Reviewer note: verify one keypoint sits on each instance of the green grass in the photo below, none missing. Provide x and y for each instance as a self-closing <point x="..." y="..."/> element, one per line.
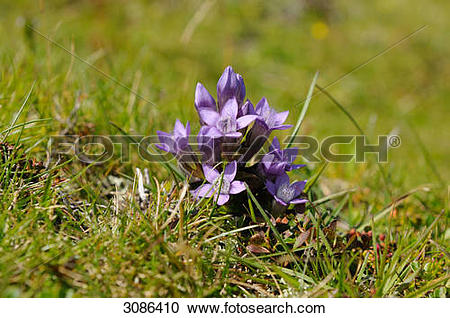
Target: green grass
<point x="76" y="230"/>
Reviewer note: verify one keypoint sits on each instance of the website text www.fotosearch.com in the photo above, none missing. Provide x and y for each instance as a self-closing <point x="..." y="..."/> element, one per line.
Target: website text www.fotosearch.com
<point x="222" y="308"/>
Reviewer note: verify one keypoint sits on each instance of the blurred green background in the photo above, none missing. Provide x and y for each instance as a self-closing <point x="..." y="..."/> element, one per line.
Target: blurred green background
<point x="162" y="48"/>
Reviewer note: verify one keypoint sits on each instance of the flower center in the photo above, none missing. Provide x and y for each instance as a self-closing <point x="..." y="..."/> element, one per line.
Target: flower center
<point x="285" y="192"/>
<point x="227" y="125"/>
<point x="224" y="187"/>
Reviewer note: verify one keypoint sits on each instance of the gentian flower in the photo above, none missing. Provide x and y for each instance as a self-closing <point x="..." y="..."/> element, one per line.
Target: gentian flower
<point x="269" y="118"/>
<point x="176" y="142"/>
<point x="278" y="161"/>
<point x="226" y="123"/>
<point x="220" y="186"/>
<point x="267" y="121"/>
<point x="230" y="85"/>
<point x="284" y="192"/>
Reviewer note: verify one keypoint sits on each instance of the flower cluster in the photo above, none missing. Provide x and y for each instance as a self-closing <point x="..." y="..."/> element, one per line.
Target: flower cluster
<point x="232" y="133"/>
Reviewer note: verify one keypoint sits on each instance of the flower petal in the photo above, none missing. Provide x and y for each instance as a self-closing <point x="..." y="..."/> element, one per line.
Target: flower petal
<point x="203" y="138"/>
<point x="299" y="186"/>
<point x="247" y="109"/>
<point x="280" y="118"/>
<point x="290" y="154"/>
<point x="167" y="142"/>
<point x="230" y="109"/>
<point x="298" y="201"/>
<point x="213" y="132"/>
<point x="282" y="179"/>
<point x="275" y="144"/>
<point x="280" y="201"/>
<point x="277" y="168"/>
<point x="163" y="134"/>
<point x="267" y="160"/>
<point x="203" y="98"/>
<point x="271" y="187"/>
<point x="188" y="128"/>
<point x="230" y="171"/>
<point x="230" y="85"/>
<point x="294" y="167"/>
<point x="237" y="187"/>
<point x="207" y="133"/>
<point x="223" y="85"/>
<point x="222" y="199"/>
<point x="281" y="127"/>
<point x="244" y="121"/>
<point x="210" y="174"/>
<point x="179" y="130"/>
<point x="241" y="92"/>
<point x="163" y="147"/>
<point x="262" y="107"/>
<point x="182" y="143"/>
<point x="236" y="134"/>
<point x="205" y="190"/>
<point x="210" y="117"/>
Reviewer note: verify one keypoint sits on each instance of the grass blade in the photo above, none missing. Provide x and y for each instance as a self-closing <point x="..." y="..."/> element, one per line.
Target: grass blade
<point x="358" y="127"/>
<point x="315" y="177"/>
<point x="272" y="227"/>
<point x="304" y="109"/>
<point x="427" y="156"/>
<point x="16" y="117"/>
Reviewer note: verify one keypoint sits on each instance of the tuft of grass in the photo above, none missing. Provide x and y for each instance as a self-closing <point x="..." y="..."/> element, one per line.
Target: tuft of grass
<point x="69" y="229"/>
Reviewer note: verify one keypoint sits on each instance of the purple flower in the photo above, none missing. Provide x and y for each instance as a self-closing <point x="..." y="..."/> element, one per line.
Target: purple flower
<point x="226" y="122"/>
<point x="219" y="186"/>
<point x="270" y="119"/>
<point x="176" y="142"/>
<point x="267" y="121"/>
<point x="278" y="161"/>
<point x="246" y="109"/>
<point x="230" y="85"/>
<point x="203" y="100"/>
<point x="284" y="192"/>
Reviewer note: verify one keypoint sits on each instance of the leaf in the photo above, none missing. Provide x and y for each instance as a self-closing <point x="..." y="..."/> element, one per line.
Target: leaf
<point x="256" y="249"/>
<point x="301" y="239"/>
<point x="258" y="238"/>
<point x="330" y="231"/>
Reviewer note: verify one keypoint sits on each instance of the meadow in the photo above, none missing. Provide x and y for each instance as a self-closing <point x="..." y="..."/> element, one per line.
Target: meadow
<point x="71" y="229"/>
